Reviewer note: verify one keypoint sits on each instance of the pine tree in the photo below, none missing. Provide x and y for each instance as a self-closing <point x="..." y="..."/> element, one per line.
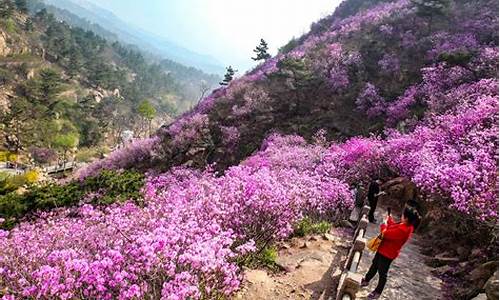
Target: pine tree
<point x="22" y="6"/>
<point x="6" y="9"/>
<point x="429" y="8"/>
<point x="76" y="61"/>
<point x="228" y="76"/>
<point x="261" y="51"/>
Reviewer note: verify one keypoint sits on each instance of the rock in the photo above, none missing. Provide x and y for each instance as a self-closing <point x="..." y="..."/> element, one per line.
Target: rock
<point x="30" y="74"/>
<point x="314" y="238"/>
<point x="483" y="272"/>
<point x="328" y="237"/>
<point x="480" y="297"/>
<point x="305" y="245"/>
<point x="285" y="246"/>
<point x="295" y="242"/>
<point x="491" y="287"/>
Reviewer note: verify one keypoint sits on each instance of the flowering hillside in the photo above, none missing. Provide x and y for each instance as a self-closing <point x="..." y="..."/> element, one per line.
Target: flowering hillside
<point x="403" y="90"/>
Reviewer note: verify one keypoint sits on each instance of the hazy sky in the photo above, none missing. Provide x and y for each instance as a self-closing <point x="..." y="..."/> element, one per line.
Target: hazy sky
<point x="226" y="29"/>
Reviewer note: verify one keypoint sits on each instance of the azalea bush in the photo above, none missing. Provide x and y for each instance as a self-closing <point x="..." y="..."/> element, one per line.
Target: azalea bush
<point x="183" y="243"/>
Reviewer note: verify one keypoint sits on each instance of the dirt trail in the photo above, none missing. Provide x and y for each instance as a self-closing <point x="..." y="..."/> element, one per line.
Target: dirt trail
<point x="311" y="264"/>
<point x="409" y="277"/>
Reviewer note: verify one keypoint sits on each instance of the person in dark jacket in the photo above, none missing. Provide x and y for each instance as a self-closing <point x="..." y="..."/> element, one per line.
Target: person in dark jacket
<point x="394" y="236"/>
<point x="373" y="191"/>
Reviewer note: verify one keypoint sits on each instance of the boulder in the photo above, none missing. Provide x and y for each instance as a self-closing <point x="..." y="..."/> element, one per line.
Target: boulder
<point x="491" y="287"/>
<point x="400" y="190"/>
<point x="483" y="272"/>
<point x="305" y="245"/>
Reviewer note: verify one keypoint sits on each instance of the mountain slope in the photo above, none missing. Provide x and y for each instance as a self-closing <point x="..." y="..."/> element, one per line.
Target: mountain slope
<point x="60" y="75"/>
<point x="380" y="89"/>
<point x="348" y="76"/>
<point x="129" y="34"/>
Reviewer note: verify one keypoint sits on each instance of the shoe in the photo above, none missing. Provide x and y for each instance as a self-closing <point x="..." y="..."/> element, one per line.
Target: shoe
<point x="364" y="283"/>
<point x="374" y="295"/>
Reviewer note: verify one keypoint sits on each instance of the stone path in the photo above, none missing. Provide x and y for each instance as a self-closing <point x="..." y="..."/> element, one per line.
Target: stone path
<point x="409" y="277"/>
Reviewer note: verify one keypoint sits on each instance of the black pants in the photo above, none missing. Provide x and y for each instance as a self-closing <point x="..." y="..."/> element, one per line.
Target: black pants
<point x="373" y="206"/>
<point x="381" y="264"/>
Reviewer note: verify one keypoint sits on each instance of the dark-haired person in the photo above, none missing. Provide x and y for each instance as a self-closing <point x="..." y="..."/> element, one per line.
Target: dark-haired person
<point x="373" y="191"/>
<point x="395" y="235"/>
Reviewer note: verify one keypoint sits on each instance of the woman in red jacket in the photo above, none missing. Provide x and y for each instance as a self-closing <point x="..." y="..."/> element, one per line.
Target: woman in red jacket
<point x="394" y="237"/>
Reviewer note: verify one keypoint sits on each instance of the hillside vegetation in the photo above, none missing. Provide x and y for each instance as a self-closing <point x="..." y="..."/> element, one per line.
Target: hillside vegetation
<point x="377" y="89"/>
<point x="65" y="87"/>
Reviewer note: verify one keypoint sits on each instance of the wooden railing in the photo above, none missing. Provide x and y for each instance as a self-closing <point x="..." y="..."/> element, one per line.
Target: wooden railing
<point x="350" y="280"/>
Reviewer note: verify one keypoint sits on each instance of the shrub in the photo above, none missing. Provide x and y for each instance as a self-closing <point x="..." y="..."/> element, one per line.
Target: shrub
<point x="87" y="154"/>
<point x="43" y="155"/>
<point x="32" y="176"/>
<point x="307" y="226"/>
<point x="105" y="188"/>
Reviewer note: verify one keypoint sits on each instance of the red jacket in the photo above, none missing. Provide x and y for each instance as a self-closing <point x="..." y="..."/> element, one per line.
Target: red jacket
<point x="395" y="236"/>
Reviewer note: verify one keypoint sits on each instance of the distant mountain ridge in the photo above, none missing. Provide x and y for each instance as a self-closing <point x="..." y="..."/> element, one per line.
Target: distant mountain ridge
<point x="127" y="33"/>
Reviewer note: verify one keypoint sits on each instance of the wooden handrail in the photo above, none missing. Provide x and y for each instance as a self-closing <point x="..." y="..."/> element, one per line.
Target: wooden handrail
<point x="350" y="279"/>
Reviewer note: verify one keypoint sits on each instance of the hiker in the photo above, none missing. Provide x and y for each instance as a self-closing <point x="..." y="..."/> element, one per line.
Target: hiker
<point x="357" y="194"/>
<point x="394" y="236"/>
<point x="373" y="193"/>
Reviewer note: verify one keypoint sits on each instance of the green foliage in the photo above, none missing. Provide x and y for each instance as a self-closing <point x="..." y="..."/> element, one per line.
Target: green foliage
<point x="288" y="46"/>
<point x="92" y="61"/>
<point x="10" y="25"/>
<point x="6" y="76"/>
<point x="460" y="58"/>
<point x="66" y="141"/>
<point x="106" y="188"/>
<point x="306" y="226"/>
<point x="146" y="110"/>
<point x="429" y="8"/>
<point x="228" y="77"/>
<point x="266" y="257"/>
<point x="22" y="6"/>
<point x="86" y="154"/>
<point x="296" y="69"/>
<point x="10" y="183"/>
<point x="6" y="9"/>
<point x="261" y="51"/>
<point x="49" y="84"/>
